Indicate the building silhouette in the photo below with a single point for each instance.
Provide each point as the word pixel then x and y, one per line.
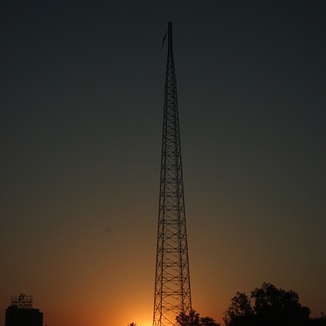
pixel 22 313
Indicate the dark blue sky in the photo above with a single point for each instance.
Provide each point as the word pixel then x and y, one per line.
pixel 81 117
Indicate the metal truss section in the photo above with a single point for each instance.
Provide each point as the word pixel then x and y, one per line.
pixel 172 293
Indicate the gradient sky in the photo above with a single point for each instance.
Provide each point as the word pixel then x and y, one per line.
pixel 81 118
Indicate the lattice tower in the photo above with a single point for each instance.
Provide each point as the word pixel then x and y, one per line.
pixel 172 293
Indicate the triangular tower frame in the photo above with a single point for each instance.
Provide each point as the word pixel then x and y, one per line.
pixel 172 294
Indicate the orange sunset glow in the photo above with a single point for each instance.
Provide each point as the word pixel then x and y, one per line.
pixel 81 115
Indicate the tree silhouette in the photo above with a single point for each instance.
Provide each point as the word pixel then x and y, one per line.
pixel 279 307
pixel 194 319
pixel 240 311
pixel 318 321
pixel 132 324
pixel 271 307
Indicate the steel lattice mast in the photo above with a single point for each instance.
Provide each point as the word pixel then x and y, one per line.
pixel 172 280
